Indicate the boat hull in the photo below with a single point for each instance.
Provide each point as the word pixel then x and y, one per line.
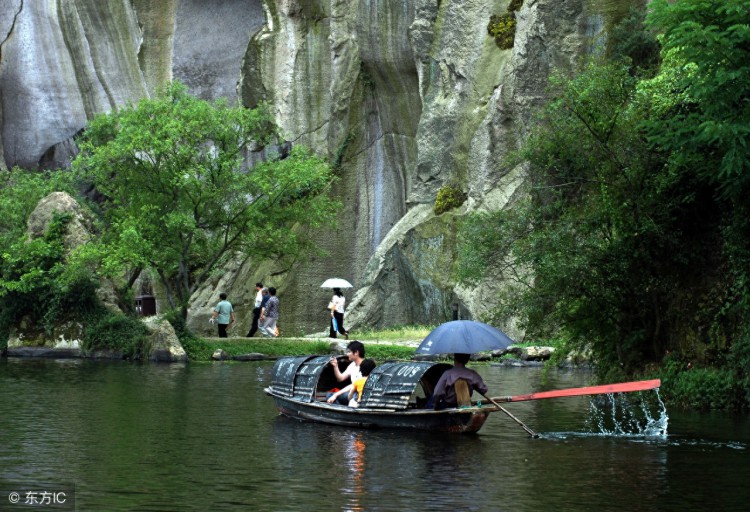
pixel 461 421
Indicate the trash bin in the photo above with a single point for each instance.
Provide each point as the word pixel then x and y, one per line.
pixel 145 305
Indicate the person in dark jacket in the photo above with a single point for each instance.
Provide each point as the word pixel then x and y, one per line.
pixel 444 395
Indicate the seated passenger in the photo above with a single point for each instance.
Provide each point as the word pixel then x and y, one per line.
pixel 355 350
pixel 445 394
pixel 355 394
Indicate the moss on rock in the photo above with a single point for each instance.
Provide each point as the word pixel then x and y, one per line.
pixel 503 28
pixel 448 198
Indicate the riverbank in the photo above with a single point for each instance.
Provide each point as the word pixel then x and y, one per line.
pixel 240 348
pixel 258 349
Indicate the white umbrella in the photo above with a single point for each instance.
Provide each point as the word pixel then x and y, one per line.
pixel 336 282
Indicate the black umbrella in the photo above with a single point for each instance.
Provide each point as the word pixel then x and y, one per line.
pixel 463 337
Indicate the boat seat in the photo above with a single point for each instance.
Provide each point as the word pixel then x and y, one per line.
pixel 463 393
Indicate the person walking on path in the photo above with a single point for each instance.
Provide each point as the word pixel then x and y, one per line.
pixel 256 309
pixel 269 315
pixel 223 315
pixel 337 314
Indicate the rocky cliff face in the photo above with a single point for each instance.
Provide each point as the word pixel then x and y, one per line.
pixel 405 96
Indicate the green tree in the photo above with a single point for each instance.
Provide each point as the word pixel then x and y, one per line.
pixel 179 197
pixel 706 73
pixel 20 192
pixel 596 252
pixel 700 116
pixel 35 282
pixel 634 238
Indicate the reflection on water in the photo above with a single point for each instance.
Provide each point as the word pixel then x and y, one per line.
pixel 205 437
pixel 354 489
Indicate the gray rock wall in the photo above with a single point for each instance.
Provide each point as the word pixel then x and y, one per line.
pixel 405 96
pixel 409 95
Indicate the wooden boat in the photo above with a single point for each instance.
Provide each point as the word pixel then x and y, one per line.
pixel 394 396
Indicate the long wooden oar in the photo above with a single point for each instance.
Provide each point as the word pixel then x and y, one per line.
pixel 623 387
pixel 506 411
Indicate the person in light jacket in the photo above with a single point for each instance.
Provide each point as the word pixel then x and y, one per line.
pixel 223 315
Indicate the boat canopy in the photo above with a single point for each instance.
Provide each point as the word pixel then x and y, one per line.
pixel 391 385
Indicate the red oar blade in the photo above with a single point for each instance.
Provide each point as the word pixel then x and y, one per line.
pixel 623 387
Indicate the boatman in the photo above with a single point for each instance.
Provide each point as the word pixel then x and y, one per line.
pixel 444 395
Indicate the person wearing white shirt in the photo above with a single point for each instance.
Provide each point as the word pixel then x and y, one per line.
pixel 355 351
pixel 337 314
pixel 256 309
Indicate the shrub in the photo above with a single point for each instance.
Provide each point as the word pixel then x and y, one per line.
pixel 116 332
pixel 36 281
pixel 448 198
pixel 197 349
pixel 695 387
pixel 503 28
pixel 740 357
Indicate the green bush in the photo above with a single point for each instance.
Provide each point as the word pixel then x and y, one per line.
pixel 503 28
pixel 740 358
pixel 37 282
pixel 448 198
pixel 116 332
pixel 693 387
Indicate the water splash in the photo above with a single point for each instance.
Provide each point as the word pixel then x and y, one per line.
pixel 628 415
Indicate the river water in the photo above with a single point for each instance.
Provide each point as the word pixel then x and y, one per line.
pixel 119 436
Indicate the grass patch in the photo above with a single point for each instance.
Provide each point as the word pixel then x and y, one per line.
pixel 398 333
pixel 199 349
pixel 382 353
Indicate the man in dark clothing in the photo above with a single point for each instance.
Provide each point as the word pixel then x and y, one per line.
pixel 444 395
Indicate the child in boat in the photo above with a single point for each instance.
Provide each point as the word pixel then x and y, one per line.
pixel 355 394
